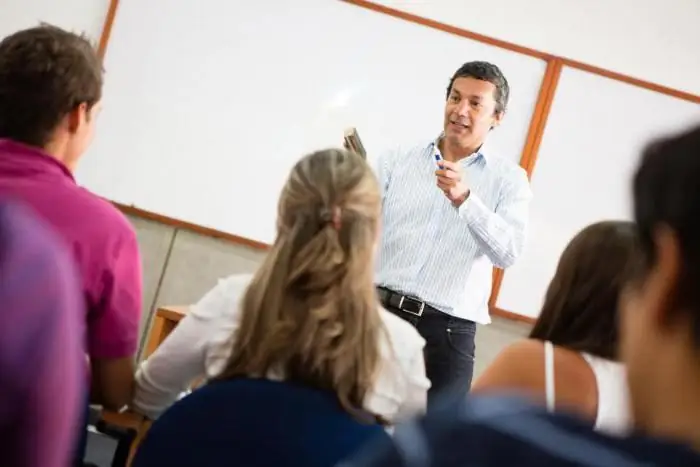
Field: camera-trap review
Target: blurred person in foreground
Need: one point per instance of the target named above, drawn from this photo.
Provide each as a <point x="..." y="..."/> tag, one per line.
<point x="42" y="375"/>
<point x="660" y="344"/>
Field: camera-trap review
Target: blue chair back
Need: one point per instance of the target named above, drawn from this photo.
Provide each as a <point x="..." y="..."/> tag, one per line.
<point x="254" y="422"/>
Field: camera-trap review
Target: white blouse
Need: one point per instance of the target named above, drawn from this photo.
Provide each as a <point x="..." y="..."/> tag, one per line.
<point x="201" y="344"/>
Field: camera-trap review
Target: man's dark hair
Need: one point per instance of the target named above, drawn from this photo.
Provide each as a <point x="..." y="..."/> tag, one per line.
<point x="580" y="310"/>
<point x="666" y="191"/>
<point x="485" y="71"/>
<point x="45" y="73"/>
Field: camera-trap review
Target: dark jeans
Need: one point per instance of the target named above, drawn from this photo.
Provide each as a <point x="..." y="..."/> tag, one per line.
<point x="449" y="351"/>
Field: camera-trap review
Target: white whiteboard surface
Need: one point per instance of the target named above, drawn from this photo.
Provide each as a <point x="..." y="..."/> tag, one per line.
<point x="209" y="104"/>
<point x="81" y="16"/>
<point x="596" y="131"/>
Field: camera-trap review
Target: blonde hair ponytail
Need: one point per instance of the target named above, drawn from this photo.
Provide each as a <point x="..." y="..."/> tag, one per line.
<point x="311" y="311"/>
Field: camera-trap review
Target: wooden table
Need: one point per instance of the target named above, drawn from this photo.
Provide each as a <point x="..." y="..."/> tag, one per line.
<point x="164" y="321"/>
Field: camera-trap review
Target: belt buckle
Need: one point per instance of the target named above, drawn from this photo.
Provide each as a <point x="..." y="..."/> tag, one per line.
<point x="421" y="306"/>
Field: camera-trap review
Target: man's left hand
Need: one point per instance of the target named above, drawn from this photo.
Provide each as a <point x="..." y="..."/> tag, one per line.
<point x="450" y="179"/>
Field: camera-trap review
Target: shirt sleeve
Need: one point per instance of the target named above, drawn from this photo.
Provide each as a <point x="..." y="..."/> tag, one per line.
<point x="182" y="357"/>
<point x="417" y="385"/>
<point x="42" y="357"/>
<point x="115" y="318"/>
<point x="501" y="234"/>
<point x="382" y="167"/>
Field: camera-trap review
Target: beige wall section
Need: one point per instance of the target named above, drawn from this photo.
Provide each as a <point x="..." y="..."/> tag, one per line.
<point x="154" y="241"/>
<point x="197" y="262"/>
<point x="180" y="266"/>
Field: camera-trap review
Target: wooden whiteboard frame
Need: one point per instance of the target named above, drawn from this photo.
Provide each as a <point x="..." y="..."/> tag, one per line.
<point x="528" y="157"/>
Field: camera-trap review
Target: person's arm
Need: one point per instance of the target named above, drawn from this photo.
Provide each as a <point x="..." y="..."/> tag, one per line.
<point x="113" y="324"/>
<point x="382" y="167"/>
<point x="182" y="357"/>
<point x="417" y="385"/>
<point x="500" y="234"/>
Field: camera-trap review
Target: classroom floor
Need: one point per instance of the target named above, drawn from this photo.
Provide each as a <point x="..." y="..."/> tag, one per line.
<point x="100" y="450"/>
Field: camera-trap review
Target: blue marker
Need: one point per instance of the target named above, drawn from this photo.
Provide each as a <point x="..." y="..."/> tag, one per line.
<point x="438" y="159"/>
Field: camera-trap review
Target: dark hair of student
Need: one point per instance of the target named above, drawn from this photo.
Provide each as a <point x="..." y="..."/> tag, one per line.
<point x="45" y="73"/>
<point x="580" y="310"/>
<point x="666" y="192"/>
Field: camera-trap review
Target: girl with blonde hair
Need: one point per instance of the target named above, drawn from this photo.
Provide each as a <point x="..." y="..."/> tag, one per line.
<point x="310" y="313"/>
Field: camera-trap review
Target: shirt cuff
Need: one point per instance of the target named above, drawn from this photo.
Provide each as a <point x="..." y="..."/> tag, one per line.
<point x="472" y="209"/>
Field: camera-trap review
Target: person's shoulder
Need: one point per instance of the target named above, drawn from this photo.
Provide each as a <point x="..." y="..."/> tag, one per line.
<point x="407" y="149"/>
<point x="519" y="364"/>
<point x="506" y="167"/>
<point x="105" y="216"/>
<point x="222" y="301"/>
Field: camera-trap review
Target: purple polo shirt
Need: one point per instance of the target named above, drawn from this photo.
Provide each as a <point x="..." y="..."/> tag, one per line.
<point x="42" y="361"/>
<point x="102" y="240"/>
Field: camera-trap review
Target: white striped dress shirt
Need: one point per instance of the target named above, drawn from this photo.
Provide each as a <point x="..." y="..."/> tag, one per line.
<point x="441" y="254"/>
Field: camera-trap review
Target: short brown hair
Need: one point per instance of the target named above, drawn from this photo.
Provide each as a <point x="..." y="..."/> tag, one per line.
<point x="580" y="310"/>
<point x="45" y="73"/>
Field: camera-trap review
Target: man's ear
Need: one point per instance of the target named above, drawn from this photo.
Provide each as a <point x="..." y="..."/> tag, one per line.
<point x="77" y="117"/>
<point x="664" y="278"/>
<point x="497" y="118"/>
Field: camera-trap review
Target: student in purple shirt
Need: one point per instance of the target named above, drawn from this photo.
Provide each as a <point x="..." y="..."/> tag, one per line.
<point x="50" y="91"/>
<point x="42" y="362"/>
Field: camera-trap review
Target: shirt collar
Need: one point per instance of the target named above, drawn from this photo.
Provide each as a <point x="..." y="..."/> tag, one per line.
<point x="480" y="153"/>
<point x="27" y="159"/>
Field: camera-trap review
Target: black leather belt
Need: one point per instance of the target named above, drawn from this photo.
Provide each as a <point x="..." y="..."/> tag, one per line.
<point x="405" y="303"/>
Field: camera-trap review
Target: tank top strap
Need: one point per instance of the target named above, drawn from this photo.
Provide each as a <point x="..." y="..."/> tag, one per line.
<point x="549" y="375"/>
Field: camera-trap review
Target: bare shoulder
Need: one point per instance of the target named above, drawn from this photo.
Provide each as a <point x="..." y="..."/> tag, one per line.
<point x="518" y="365"/>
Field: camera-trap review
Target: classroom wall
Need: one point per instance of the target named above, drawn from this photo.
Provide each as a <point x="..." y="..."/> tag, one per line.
<point x="86" y="16"/>
<point x="657" y="46"/>
<point x="647" y="39"/>
<point x="654" y="41"/>
<point x="180" y="266"/>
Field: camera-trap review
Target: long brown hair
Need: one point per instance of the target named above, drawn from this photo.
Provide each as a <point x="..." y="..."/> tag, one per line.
<point x="580" y="310"/>
<point x="311" y="310"/>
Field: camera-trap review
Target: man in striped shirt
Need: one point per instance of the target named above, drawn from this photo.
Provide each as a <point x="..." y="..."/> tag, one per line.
<point x="660" y="345"/>
<point x="451" y="210"/>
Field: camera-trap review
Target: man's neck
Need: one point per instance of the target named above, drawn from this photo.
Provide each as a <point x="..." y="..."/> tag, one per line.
<point x="454" y="153"/>
<point x="57" y="151"/>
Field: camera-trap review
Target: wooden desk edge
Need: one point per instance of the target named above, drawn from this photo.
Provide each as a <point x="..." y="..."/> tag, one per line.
<point x="172" y="313"/>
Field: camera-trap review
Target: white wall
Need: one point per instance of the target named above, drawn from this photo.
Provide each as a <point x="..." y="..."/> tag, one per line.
<point x="85" y="16"/>
<point x="648" y="39"/>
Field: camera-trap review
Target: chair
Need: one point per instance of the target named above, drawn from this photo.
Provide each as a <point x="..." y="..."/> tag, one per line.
<point x="254" y="422"/>
<point x="123" y="433"/>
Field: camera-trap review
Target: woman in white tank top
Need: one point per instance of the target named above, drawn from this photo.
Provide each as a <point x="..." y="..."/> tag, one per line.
<point x="569" y="360"/>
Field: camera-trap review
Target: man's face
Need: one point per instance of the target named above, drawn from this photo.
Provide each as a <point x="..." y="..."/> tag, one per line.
<point x="470" y="112"/>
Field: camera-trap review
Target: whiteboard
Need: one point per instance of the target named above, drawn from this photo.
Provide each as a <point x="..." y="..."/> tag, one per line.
<point x="208" y="106"/>
<point x="595" y="133"/>
<point x="81" y="16"/>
